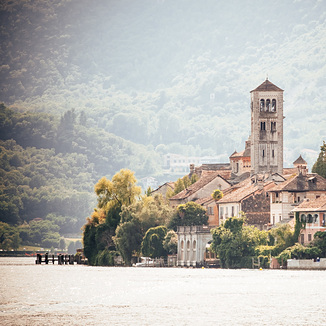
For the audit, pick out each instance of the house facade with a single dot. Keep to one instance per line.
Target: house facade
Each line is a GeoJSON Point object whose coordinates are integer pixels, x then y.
{"type": "Point", "coordinates": [285, 196]}
{"type": "Point", "coordinates": [313, 214]}
{"type": "Point", "coordinates": [204, 187]}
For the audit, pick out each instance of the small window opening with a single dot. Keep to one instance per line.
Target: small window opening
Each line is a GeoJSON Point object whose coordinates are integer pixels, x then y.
{"type": "Point", "coordinates": [262, 125]}
{"type": "Point", "coordinates": [268, 105]}
{"type": "Point", "coordinates": [273, 154]}
{"type": "Point", "coordinates": [262, 104]}
{"type": "Point", "coordinates": [273, 105]}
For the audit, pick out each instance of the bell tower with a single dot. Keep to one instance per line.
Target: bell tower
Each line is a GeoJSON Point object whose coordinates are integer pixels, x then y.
{"type": "Point", "coordinates": [267, 129]}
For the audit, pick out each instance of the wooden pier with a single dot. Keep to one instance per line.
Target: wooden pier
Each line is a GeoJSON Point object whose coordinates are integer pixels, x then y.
{"type": "Point", "coordinates": [60, 258]}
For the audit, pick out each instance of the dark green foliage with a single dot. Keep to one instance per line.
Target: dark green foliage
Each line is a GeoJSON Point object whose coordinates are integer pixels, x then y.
{"type": "Point", "coordinates": [170, 243]}
{"type": "Point", "coordinates": [152, 245]}
{"type": "Point", "coordinates": [320, 242]}
{"type": "Point", "coordinates": [298, 251]}
{"type": "Point", "coordinates": [320, 165]}
{"type": "Point", "coordinates": [105, 258]}
{"type": "Point", "coordinates": [128, 239]}
{"type": "Point", "coordinates": [188, 214]}
{"type": "Point", "coordinates": [235, 243]}
{"type": "Point", "coordinates": [9, 237]}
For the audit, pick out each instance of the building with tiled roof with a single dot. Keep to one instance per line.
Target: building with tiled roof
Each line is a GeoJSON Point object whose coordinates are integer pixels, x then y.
{"type": "Point", "coordinates": [284, 197]}
{"type": "Point", "coordinates": [164, 189]}
{"type": "Point", "coordinates": [251, 199]}
{"type": "Point", "coordinates": [266, 129]}
{"type": "Point", "coordinates": [209, 204]}
{"type": "Point", "coordinates": [204, 187]}
{"type": "Point", "coordinates": [313, 214]}
{"type": "Point", "coordinates": [240, 162]}
{"type": "Point", "coordinates": [267, 86]}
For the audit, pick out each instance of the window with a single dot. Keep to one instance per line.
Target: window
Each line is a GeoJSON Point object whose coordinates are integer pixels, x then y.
{"type": "Point", "coordinates": [315, 218]}
{"type": "Point", "coordinates": [268, 104]}
{"type": "Point", "coordinates": [302, 238]}
{"type": "Point", "coordinates": [221, 212]}
{"type": "Point", "coordinates": [263, 153]}
{"type": "Point", "coordinates": [309, 237]}
{"type": "Point", "coordinates": [273, 154]}
{"type": "Point", "coordinates": [262, 104]}
{"type": "Point", "coordinates": [309, 217]}
{"type": "Point", "coordinates": [273, 126]}
{"type": "Point", "coordinates": [273, 105]}
{"type": "Point", "coordinates": [210, 210]}
{"type": "Point", "coordinates": [303, 217]}
{"type": "Point", "coordinates": [226, 212]}
{"type": "Point", "coordinates": [232, 211]}
{"type": "Point", "coordinates": [262, 125]}
{"type": "Point", "coordinates": [324, 219]}
{"type": "Point", "coordinates": [194, 245]}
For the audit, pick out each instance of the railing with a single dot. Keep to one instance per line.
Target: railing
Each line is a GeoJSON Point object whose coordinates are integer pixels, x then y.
{"type": "Point", "coordinates": [195, 228]}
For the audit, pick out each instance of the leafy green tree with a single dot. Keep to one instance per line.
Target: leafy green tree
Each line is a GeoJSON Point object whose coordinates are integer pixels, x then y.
{"type": "Point", "coordinates": [320, 165]}
{"type": "Point", "coordinates": [152, 245]}
{"type": "Point", "coordinates": [178, 187]}
{"type": "Point", "coordinates": [235, 243]}
{"type": "Point", "coordinates": [9, 237]}
{"type": "Point", "coordinates": [188, 214]}
{"type": "Point", "coordinates": [194, 178]}
{"type": "Point", "coordinates": [170, 243]}
{"type": "Point", "coordinates": [128, 239]}
{"type": "Point", "coordinates": [217, 194]}
{"type": "Point", "coordinates": [320, 242]}
{"type": "Point", "coordinates": [112, 196]}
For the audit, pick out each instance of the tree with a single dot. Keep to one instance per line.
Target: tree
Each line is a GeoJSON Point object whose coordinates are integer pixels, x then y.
{"type": "Point", "coordinates": [235, 243]}
{"type": "Point", "coordinates": [152, 245]}
{"type": "Point", "coordinates": [217, 194]}
{"type": "Point", "coordinates": [112, 197]}
{"type": "Point", "coordinates": [128, 239]}
{"type": "Point", "coordinates": [9, 237]}
{"type": "Point", "coordinates": [320, 165]}
{"type": "Point", "coordinates": [178, 187]}
{"type": "Point", "coordinates": [188, 214]}
{"type": "Point", "coordinates": [170, 243]}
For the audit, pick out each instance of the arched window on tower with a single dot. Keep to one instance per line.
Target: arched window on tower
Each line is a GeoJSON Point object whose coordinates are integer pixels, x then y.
{"type": "Point", "coordinates": [262, 104]}
{"type": "Point", "coordinates": [273, 105]}
{"type": "Point", "coordinates": [268, 105]}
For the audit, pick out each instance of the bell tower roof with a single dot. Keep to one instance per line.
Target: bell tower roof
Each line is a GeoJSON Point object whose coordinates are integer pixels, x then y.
{"type": "Point", "coordinates": [267, 86]}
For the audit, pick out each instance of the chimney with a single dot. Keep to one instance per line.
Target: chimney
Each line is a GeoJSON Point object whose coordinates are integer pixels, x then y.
{"type": "Point", "coordinates": [192, 169]}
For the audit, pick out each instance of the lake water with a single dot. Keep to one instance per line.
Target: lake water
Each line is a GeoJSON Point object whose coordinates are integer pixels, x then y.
{"type": "Point", "coordinates": [82, 295]}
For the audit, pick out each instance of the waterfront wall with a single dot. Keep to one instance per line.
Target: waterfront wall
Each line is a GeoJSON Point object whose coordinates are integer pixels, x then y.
{"type": "Point", "coordinates": [307, 264]}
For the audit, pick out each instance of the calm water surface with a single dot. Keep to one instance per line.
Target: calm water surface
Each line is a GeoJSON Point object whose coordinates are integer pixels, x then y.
{"type": "Point", "coordinates": [81, 295]}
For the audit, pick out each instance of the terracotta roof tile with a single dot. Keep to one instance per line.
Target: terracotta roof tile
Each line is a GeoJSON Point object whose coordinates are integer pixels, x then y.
{"type": "Point", "coordinates": [311, 181]}
{"type": "Point", "coordinates": [300, 160]}
{"type": "Point", "coordinates": [319, 204]}
{"type": "Point", "coordinates": [267, 86]}
{"type": "Point", "coordinates": [206, 177]}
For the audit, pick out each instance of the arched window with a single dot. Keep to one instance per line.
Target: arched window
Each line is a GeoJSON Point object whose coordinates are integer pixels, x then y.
{"type": "Point", "coordinates": [182, 244]}
{"type": "Point", "coordinates": [303, 218]}
{"type": "Point", "coordinates": [194, 245]}
{"type": "Point", "coordinates": [309, 217]}
{"type": "Point", "coordinates": [188, 245]}
{"type": "Point", "coordinates": [262, 104]}
{"type": "Point", "coordinates": [268, 105]}
{"type": "Point", "coordinates": [273, 105]}
{"type": "Point", "coordinates": [315, 218]}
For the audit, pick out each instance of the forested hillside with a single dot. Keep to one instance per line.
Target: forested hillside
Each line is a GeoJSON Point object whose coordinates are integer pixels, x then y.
{"type": "Point", "coordinates": [49, 166]}
{"type": "Point", "coordinates": [90, 87]}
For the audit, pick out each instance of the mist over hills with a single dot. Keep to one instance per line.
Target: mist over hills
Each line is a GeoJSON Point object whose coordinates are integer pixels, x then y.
{"type": "Point", "coordinates": [173, 76]}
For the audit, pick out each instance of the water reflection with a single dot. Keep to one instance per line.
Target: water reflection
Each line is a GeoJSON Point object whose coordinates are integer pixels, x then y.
{"type": "Point", "coordinates": [82, 295]}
